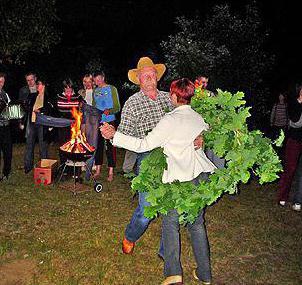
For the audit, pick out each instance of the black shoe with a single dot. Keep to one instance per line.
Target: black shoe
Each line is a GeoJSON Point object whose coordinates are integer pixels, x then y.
{"type": "Point", "coordinates": [26, 171]}
{"type": "Point", "coordinates": [160, 256]}
{"type": "Point", "coordinates": [4, 178]}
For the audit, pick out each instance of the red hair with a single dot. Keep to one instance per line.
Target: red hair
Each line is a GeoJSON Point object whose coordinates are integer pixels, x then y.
{"type": "Point", "coordinates": [183, 89]}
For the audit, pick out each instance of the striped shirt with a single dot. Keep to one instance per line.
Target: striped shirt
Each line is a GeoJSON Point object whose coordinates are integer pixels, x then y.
{"type": "Point", "coordinates": [279, 115]}
{"type": "Point", "coordinates": [141, 114]}
{"type": "Point", "coordinates": [65, 104]}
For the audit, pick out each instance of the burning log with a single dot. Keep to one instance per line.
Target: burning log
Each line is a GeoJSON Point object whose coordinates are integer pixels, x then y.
{"type": "Point", "coordinates": [78, 142]}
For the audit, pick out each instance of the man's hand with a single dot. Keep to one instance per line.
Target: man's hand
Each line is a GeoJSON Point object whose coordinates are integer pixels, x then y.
{"type": "Point", "coordinates": [107, 131]}
{"type": "Point", "coordinates": [198, 142]}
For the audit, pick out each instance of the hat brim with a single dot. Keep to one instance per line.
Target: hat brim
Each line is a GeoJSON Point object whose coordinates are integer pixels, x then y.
{"type": "Point", "coordinates": [133, 73]}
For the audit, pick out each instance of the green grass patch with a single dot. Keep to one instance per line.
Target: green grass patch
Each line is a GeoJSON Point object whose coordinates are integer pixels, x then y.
{"type": "Point", "coordinates": [76, 239]}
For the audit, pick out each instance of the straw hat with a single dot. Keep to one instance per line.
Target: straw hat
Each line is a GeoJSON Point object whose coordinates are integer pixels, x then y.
{"type": "Point", "coordinates": [146, 62]}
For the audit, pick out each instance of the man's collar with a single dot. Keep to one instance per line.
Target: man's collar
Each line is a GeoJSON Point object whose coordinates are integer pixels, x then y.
{"type": "Point", "coordinates": [157, 94]}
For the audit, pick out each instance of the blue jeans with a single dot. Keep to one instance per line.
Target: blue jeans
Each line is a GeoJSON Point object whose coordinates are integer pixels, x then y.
{"type": "Point", "coordinates": [91, 121]}
{"type": "Point", "coordinates": [34, 131]}
{"type": "Point", "coordinates": [199, 241]}
{"type": "Point", "coordinates": [138, 223]}
{"type": "Point", "coordinates": [49, 121]}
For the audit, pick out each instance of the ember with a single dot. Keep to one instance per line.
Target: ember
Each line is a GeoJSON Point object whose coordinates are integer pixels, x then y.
{"type": "Point", "coordinates": [78, 142]}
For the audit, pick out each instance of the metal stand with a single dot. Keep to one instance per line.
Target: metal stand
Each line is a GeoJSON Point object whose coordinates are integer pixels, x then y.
{"type": "Point", "coordinates": [97, 186]}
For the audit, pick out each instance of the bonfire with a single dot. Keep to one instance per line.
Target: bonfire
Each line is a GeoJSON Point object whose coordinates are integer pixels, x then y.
{"type": "Point", "coordinates": [78, 142]}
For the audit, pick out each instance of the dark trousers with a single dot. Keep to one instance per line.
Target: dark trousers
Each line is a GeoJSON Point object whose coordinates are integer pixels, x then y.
{"type": "Point", "coordinates": [109, 149]}
{"type": "Point", "coordinates": [64, 135]}
{"type": "Point", "coordinates": [6, 149]}
{"type": "Point", "coordinates": [34, 132]}
{"type": "Point", "coordinates": [293, 151]}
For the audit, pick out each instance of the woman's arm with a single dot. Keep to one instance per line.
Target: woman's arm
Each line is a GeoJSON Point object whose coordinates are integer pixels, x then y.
{"type": "Point", "coordinates": [156, 138]}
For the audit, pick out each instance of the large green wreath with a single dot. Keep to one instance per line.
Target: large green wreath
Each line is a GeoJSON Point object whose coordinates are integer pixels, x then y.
{"type": "Point", "coordinates": [244, 151]}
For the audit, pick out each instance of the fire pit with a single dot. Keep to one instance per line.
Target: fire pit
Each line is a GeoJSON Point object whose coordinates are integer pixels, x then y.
{"type": "Point", "coordinates": [77, 150]}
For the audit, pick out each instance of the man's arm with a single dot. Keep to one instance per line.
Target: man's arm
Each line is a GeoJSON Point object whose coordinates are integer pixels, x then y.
{"type": "Point", "coordinates": [116, 102]}
{"type": "Point", "coordinates": [128, 121]}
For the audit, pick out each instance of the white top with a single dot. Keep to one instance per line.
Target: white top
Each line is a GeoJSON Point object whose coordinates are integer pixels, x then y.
{"type": "Point", "coordinates": [175, 133]}
{"type": "Point", "coordinates": [88, 97]}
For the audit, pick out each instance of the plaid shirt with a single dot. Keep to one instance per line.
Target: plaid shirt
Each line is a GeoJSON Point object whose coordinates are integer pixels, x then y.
{"type": "Point", "coordinates": [141, 114]}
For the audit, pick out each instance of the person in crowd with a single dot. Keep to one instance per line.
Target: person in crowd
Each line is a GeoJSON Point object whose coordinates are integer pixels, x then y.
{"type": "Point", "coordinates": [129, 163]}
{"type": "Point", "coordinates": [184, 163]}
{"type": "Point", "coordinates": [293, 147]}
{"type": "Point", "coordinates": [91, 115]}
{"type": "Point", "coordinates": [204, 81]}
{"type": "Point", "coordinates": [32, 99]}
{"type": "Point", "coordinates": [140, 114]}
{"type": "Point", "coordinates": [6, 146]}
{"type": "Point", "coordinates": [66, 101]}
{"type": "Point", "coordinates": [106, 100]}
{"type": "Point", "coordinates": [297, 187]}
{"type": "Point", "coordinates": [279, 116]}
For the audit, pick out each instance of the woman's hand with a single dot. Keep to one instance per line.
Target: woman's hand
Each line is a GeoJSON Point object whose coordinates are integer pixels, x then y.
{"type": "Point", "coordinates": [198, 142]}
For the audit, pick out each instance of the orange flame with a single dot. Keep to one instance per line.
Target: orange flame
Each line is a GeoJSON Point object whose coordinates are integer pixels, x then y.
{"type": "Point", "coordinates": [76, 126]}
{"type": "Point", "coordinates": [78, 142]}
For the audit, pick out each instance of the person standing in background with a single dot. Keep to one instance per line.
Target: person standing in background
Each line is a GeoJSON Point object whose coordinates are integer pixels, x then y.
{"type": "Point", "coordinates": [6, 146]}
{"type": "Point", "coordinates": [66, 101]}
{"type": "Point", "coordinates": [279, 116]}
{"type": "Point", "coordinates": [293, 147]}
{"type": "Point", "coordinates": [106, 100]}
{"type": "Point", "coordinates": [90, 121]}
{"type": "Point", "coordinates": [129, 163]}
{"type": "Point", "coordinates": [28, 96]}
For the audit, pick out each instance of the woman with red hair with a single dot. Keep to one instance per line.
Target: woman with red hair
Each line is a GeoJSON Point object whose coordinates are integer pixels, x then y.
{"type": "Point", "coordinates": [176, 133]}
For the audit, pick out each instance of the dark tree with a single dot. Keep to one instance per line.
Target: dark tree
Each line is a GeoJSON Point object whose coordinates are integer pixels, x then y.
{"type": "Point", "coordinates": [27, 26]}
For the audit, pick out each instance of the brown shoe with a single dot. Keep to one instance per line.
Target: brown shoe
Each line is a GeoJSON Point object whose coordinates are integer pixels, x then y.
{"type": "Point", "coordinates": [127, 246]}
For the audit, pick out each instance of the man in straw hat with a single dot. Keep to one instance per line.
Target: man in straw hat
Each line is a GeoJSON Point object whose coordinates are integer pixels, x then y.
{"type": "Point", "coordinates": [140, 114]}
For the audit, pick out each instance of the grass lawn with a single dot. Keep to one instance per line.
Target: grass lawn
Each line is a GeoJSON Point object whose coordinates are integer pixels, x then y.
{"type": "Point", "coordinates": [50, 236]}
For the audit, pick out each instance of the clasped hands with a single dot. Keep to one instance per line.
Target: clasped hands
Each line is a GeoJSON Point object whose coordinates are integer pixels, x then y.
{"type": "Point", "coordinates": [107, 131]}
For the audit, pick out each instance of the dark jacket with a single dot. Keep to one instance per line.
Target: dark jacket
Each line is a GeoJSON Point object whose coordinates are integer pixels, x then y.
{"type": "Point", "coordinates": [27, 101]}
{"type": "Point", "coordinates": [3, 104]}
{"type": "Point", "coordinates": [294, 113]}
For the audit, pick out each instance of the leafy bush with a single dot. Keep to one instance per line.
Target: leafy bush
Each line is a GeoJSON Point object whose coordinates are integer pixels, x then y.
{"type": "Point", "coordinates": [245, 152]}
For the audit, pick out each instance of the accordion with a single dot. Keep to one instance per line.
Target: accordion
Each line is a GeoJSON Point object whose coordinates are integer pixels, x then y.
{"type": "Point", "coordinates": [12, 112]}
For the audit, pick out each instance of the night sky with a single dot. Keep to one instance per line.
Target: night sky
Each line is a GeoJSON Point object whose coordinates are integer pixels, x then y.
{"type": "Point", "coordinates": [119, 32]}
{"type": "Point", "coordinates": [124, 30]}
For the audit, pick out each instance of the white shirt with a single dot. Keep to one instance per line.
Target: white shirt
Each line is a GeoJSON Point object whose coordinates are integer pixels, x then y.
{"type": "Point", "coordinates": [88, 97]}
{"type": "Point", "coordinates": [175, 133]}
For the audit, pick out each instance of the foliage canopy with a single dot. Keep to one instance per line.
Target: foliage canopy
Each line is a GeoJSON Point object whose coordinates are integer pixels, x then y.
{"type": "Point", "coordinates": [27, 26]}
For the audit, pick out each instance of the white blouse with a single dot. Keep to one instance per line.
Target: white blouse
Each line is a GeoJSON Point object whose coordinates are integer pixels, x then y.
{"type": "Point", "coordinates": [175, 133]}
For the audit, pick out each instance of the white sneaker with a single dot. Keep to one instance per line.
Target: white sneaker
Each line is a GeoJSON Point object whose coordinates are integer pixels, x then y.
{"type": "Point", "coordinates": [282, 203]}
{"type": "Point", "coordinates": [297, 207]}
